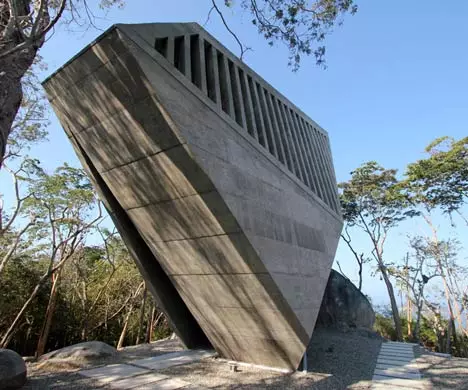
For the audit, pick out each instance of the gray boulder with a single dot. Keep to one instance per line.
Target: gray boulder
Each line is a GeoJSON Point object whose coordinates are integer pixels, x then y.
{"type": "Point", "coordinates": [344, 306]}
{"type": "Point", "coordinates": [88, 350]}
{"type": "Point", "coordinates": [13, 373]}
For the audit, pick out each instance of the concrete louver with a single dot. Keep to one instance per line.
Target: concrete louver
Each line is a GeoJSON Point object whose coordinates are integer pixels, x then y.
{"type": "Point", "coordinates": [222, 189]}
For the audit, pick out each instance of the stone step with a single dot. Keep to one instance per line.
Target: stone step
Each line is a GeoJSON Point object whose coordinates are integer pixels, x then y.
{"type": "Point", "coordinates": [173, 359]}
{"type": "Point", "coordinates": [408, 368]}
{"type": "Point", "coordinates": [406, 383]}
{"type": "Point", "coordinates": [397, 374]}
{"type": "Point", "coordinates": [137, 381]}
{"type": "Point", "coordinates": [113, 372]}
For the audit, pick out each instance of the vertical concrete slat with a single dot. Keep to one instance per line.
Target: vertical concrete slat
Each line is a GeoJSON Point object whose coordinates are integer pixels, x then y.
{"type": "Point", "coordinates": [331, 172]}
{"type": "Point", "coordinates": [331, 185]}
{"type": "Point", "coordinates": [300, 148]}
{"type": "Point", "coordinates": [292, 147]}
{"type": "Point", "coordinates": [250, 113]}
{"type": "Point", "coordinates": [316, 155]}
{"type": "Point", "coordinates": [304, 151]}
{"type": "Point", "coordinates": [283, 133]}
{"type": "Point", "coordinates": [329, 154]}
{"type": "Point", "coordinates": [187, 57]}
{"type": "Point", "coordinates": [310, 157]}
{"type": "Point", "coordinates": [315, 162]}
{"type": "Point", "coordinates": [258, 115]}
{"type": "Point", "coordinates": [217, 88]}
{"type": "Point", "coordinates": [323, 168]}
{"type": "Point", "coordinates": [170, 49]}
{"type": "Point", "coordinates": [238, 98]}
{"type": "Point", "coordinates": [267, 121]}
{"type": "Point", "coordinates": [229, 87]}
{"type": "Point", "coordinates": [293, 130]}
{"type": "Point", "coordinates": [276, 129]}
{"type": "Point", "coordinates": [201, 49]}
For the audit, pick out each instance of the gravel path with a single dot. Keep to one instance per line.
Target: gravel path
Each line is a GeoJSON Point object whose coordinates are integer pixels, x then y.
{"type": "Point", "coordinates": [444, 373]}
{"type": "Point", "coordinates": [336, 361]}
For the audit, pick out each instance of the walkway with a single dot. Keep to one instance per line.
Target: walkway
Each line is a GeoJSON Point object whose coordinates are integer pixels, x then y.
{"type": "Point", "coordinates": [140, 374]}
{"type": "Point", "coordinates": [397, 369]}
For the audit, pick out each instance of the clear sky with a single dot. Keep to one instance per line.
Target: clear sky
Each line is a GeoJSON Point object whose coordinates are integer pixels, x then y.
{"type": "Point", "coordinates": [397, 78]}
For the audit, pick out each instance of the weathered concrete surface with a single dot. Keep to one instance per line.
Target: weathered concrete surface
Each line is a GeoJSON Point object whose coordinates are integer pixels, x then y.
{"type": "Point", "coordinates": [222, 189]}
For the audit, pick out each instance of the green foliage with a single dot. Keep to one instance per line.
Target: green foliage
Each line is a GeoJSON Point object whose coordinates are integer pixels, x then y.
{"type": "Point", "coordinates": [94, 286]}
{"type": "Point", "coordinates": [441, 179]}
{"type": "Point", "coordinates": [30, 124]}
{"type": "Point", "coordinates": [384, 326]}
{"type": "Point", "coordinates": [19, 278]}
{"type": "Point", "coordinates": [372, 198]}
{"type": "Point", "coordinates": [300, 25]}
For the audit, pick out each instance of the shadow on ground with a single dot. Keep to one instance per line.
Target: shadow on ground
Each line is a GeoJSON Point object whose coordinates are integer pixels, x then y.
{"type": "Point", "coordinates": [444, 373]}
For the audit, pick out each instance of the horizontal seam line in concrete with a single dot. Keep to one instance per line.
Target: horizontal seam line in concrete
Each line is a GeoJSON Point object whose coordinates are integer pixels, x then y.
{"type": "Point", "coordinates": [244, 133]}
{"type": "Point", "coordinates": [243, 273]}
{"type": "Point", "coordinates": [142, 158]}
{"type": "Point", "coordinates": [207, 236]}
{"type": "Point", "coordinates": [221, 274]}
{"type": "Point", "coordinates": [317, 198]}
{"type": "Point", "coordinates": [172, 200]}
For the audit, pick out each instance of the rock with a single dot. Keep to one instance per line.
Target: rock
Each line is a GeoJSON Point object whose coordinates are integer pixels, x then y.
{"type": "Point", "coordinates": [88, 350]}
{"type": "Point", "coordinates": [13, 373]}
{"type": "Point", "coordinates": [344, 306]}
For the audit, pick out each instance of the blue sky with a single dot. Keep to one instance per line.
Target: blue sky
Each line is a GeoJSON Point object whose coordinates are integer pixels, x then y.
{"type": "Point", "coordinates": [397, 78]}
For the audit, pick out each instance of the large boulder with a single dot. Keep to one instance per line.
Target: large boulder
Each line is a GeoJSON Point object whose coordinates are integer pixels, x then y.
{"type": "Point", "coordinates": [12, 370]}
{"type": "Point", "coordinates": [344, 306]}
{"type": "Point", "coordinates": [88, 350]}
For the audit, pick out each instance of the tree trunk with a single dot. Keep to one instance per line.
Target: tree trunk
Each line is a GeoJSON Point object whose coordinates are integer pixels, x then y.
{"type": "Point", "coordinates": [44, 336]}
{"type": "Point", "coordinates": [393, 303]}
{"type": "Point", "coordinates": [448, 344]}
{"type": "Point", "coordinates": [142, 316]}
{"type": "Point", "coordinates": [418, 323]}
{"type": "Point", "coordinates": [124, 329]}
{"type": "Point", "coordinates": [127, 317]}
{"type": "Point", "coordinates": [409, 319]}
{"type": "Point", "coordinates": [149, 328]}
{"type": "Point", "coordinates": [12, 69]}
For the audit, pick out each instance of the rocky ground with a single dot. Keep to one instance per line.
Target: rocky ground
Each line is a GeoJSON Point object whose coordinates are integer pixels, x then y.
{"type": "Point", "coordinates": [336, 359]}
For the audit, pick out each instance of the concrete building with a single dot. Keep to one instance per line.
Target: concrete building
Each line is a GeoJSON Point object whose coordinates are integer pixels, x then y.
{"type": "Point", "coordinates": [222, 189]}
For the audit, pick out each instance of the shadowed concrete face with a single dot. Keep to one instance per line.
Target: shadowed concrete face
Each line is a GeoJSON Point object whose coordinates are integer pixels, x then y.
{"type": "Point", "coordinates": [222, 189]}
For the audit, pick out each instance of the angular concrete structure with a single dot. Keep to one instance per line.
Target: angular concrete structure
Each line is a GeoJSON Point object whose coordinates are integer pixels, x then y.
{"type": "Point", "coordinates": [222, 189]}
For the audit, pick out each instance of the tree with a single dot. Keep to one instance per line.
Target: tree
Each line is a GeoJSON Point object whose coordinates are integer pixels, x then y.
{"type": "Point", "coordinates": [64, 204]}
{"type": "Point", "coordinates": [440, 182]}
{"type": "Point", "coordinates": [373, 202]}
{"type": "Point", "coordinates": [414, 277]}
{"type": "Point", "coordinates": [441, 179]}
{"type": "Point", "coordinates": [359, 257]}
{"type": "Point", "coordinates": [29, 128]}
{"type": "Point", "coordinates": [24, 24]}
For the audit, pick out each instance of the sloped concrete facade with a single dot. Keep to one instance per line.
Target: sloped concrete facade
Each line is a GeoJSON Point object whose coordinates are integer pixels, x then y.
{"type": "Point", "coordinates": [222, 189]}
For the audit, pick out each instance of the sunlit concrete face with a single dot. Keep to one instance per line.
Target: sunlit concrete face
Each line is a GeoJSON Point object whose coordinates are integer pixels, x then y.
{"type": "Point", "coordinates": [222, 189]}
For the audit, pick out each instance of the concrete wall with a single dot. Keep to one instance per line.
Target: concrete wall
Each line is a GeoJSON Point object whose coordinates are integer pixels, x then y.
{"type": "Point", "coordinates": [232, 192]}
